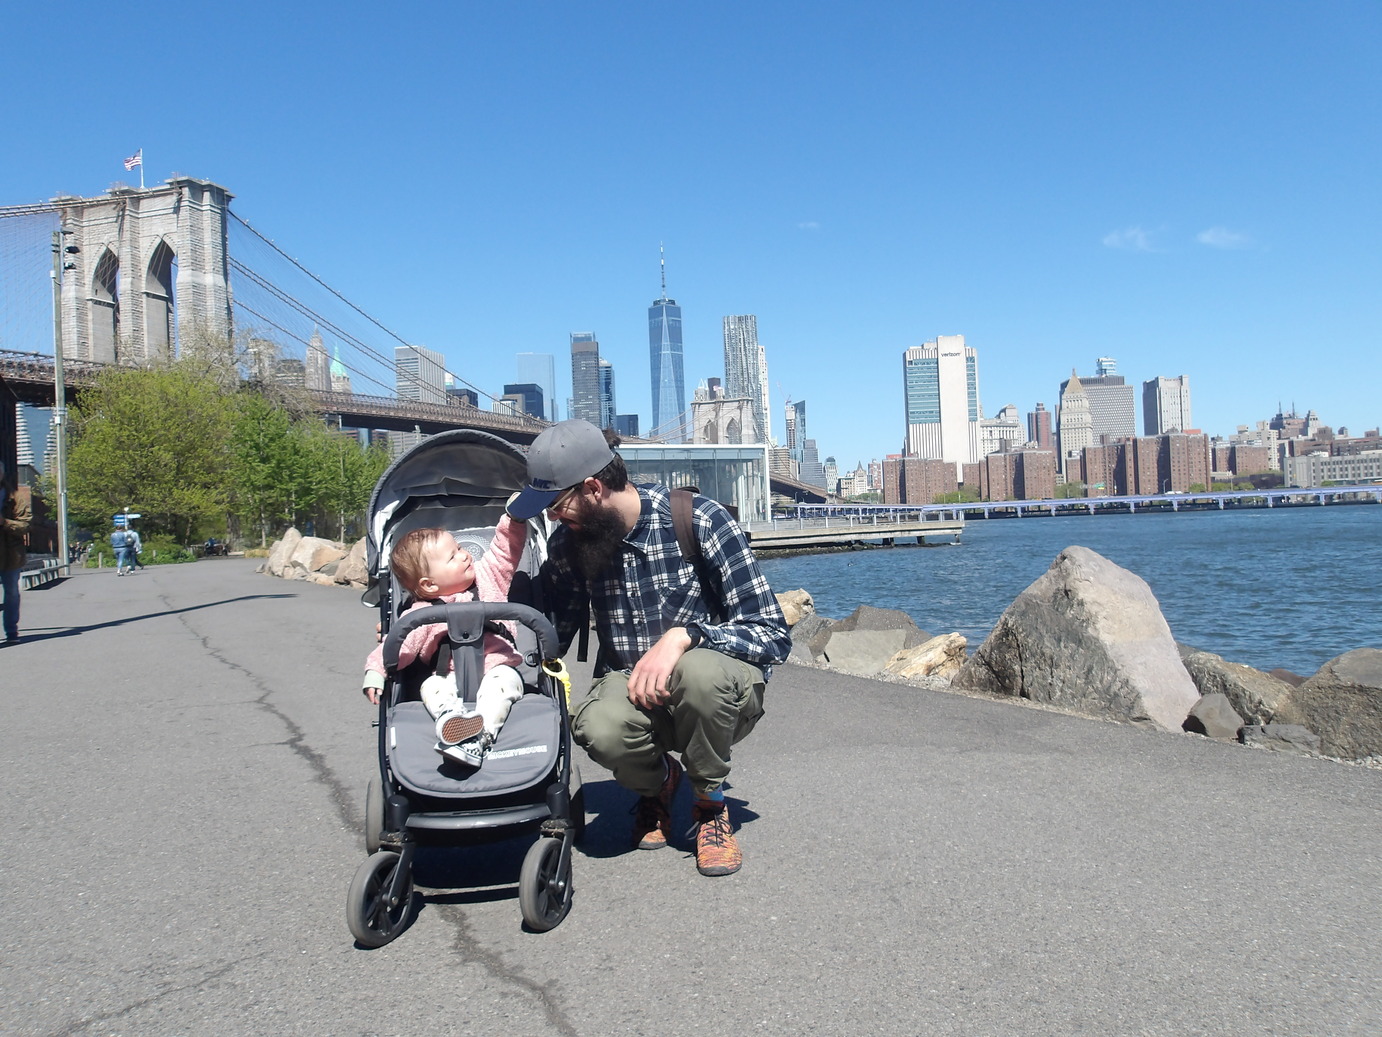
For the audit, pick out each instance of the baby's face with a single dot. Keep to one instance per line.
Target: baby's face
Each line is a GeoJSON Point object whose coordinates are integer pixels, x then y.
{"type": "Point", "coordinates": [450, 566]}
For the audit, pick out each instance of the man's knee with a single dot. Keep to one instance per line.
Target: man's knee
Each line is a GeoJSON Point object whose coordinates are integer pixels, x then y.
{"type": "Point", "coordinates": [709, 680]}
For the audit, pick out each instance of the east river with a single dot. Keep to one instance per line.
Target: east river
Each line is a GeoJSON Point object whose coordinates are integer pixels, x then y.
{"type": "Point", "coordinates": [1268, 587]}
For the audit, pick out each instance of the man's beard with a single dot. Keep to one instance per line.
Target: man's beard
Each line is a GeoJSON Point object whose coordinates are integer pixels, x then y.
{"type": "Point", "coordinates": [597, 543]}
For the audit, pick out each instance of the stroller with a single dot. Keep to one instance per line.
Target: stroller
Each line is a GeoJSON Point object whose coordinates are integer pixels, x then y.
{"type": "Point", "coordinates": [459, 480]}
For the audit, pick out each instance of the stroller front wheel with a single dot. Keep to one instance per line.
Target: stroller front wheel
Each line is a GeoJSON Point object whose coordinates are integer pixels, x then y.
{"type": "Point", "coordinates": [374, 916]}
{"type": "Point", "coordinates": [544, 885]}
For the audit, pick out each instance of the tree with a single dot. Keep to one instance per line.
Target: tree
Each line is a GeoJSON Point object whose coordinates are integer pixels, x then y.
{"type": "Point", "coordinates": [155, 440]}
{"type": "Point", "coordinates": [263, 452]}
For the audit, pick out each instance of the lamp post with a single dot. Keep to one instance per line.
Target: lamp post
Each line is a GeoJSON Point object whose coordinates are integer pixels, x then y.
{"type": "Point", "coordinates": [60, 400]}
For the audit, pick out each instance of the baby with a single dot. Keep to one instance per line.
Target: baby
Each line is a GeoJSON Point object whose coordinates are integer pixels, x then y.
{"type": "Point", "coordinates": [433, 567]}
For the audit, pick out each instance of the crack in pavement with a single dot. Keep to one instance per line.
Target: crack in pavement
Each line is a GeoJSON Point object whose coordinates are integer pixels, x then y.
{"type": "Point", "coordinates": [84, 1025]}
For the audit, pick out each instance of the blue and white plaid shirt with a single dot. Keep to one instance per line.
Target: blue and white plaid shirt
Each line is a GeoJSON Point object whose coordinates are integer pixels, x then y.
{"type": "Point", "coordinates": [651, 588]}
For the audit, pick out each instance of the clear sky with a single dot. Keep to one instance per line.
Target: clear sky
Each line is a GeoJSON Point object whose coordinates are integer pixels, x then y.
{"type": "Point", "coordinates": [1189, 187]}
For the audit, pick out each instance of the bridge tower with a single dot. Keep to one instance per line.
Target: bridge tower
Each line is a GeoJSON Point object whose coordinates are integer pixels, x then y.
{"type": "Point", "coordinates": [144, 267]}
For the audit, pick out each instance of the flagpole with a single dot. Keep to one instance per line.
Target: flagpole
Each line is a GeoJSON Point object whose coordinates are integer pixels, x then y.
{"type": "Point", "coordinates": [141, 169]}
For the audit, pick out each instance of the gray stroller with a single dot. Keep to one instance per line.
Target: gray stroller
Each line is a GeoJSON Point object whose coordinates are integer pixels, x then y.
{"type": "Point", "coordinates": [459, 480]}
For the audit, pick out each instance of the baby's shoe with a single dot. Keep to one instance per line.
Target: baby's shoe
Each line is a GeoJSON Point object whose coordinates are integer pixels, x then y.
{"type": "Point", "coordinates": [458, 726]}
{"type": "Point", "coordinates": [471, 752]}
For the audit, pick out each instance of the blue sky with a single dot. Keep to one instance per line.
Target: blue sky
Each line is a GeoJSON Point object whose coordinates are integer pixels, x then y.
{"type": "Point", "coordinates": [1191, 188]}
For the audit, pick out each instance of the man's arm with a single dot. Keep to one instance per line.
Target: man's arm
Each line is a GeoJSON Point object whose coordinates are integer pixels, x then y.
{"type": "Point", "coordinates": [753, 627]}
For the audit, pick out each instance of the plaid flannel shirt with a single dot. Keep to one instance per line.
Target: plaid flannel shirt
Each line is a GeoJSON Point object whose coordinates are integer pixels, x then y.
{"type": "Point", "coordinates": [652, 588]}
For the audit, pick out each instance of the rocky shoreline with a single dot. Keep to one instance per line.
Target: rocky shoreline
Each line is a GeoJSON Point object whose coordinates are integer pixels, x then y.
{"type": "Point", "coordinates": [1086, 638]}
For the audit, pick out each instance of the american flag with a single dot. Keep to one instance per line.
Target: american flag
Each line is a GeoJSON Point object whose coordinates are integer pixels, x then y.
{"type": "Point", "coordinates": [137, 159]}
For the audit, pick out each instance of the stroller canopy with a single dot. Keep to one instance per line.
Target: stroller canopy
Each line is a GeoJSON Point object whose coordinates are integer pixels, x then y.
{"type": "Point", "coordinates": [452, 480]}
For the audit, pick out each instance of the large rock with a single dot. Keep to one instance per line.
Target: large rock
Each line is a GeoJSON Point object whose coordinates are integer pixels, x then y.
{"type": "Point", "coordinates": [1342, 703]}
{"type": "Point", "coordinates": [352, 569]}
{"type": "Point", "coordinates": [863, 652]}
{"type": "Point", "coordinates": [281, 551]}
{"type": "Point", "coordinates": [1282, 738]}
{"type": "Point", "coordinates": [796, 605]}
{"type": "Point", "coordinates": [867, 617]}
{"type": "Point", "coordinates": [1254, 695]}
{"type": "Point", "coordinates": [809, 637]}
{"type": "Point", "coordinates": [1087, 636]}
{"type": "Point", "coordinates": [313, 554]}
{"type": "Point", "coordinates": [1214, 716]}
{"type": "Point", "coordinates": [942, 656]}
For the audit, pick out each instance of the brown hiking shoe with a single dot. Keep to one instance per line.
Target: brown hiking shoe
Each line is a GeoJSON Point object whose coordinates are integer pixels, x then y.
{"type": "Point", "coordinates": [652, 815]}
{"type": "Point", "coordinates": [717, 851]}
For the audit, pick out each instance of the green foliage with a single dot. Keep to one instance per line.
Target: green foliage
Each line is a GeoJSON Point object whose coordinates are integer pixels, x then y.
{"type": "Point", "coordinates": [1068, 490]}
{"type": "Point", "coordinates": [962, 496]}
{"type": "Point", "coordinates": [153, 440]}
{"type": "Point", "coordinates": [195, 453]}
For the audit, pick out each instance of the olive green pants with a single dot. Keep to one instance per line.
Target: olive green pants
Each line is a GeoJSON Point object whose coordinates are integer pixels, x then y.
{"type": "Point", "coordinates": [716, 700]}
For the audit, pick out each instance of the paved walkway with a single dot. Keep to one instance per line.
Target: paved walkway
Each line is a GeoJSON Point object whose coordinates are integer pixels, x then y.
{"type": "Point", "coordinates": [185, 751]}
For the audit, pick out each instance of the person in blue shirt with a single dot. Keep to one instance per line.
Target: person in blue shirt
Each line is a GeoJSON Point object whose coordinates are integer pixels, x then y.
{"type": "Point", "coordinates": [683, 666]}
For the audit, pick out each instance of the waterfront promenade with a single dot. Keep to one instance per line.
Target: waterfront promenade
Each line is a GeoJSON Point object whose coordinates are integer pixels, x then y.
{"type": "Point", "coordinates": [186, 751]}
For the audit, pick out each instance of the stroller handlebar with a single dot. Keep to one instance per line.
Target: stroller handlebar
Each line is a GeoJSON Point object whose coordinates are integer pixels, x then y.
{"type": "Point", "coordinates": [465, 622]}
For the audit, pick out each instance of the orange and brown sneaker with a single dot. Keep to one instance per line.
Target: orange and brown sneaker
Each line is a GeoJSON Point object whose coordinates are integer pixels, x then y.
{"type": "Point", "coordinates": [652, 815]}
{"type": "Point", "coordinates": [717, 851]}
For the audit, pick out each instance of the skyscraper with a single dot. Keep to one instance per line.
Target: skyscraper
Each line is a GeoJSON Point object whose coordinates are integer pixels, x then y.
{"type": "Point", "coordinates": [941, 386]}
{"type": "Point", "coordinates": [1112, 404]}
{"type": "Point", "coordinates": [795, 416]}
{"type": "Point", "coordinates": [1039, 428]}
{"type": "Point", "coordinates": [540, 369]}
{"type": "Point", "coordinates": [1166, 405]}
{"type": "Point", "coordinates": [665, 366]}
{"type": "Point", "coordinates": [606, 372]}
{"type": "Point", "coordinates": [421, 374]}
{"type": "Point", "coordinates": [1075, 425]}
{"type": "Point", "coordinates": [340, 377]}
{"type": "Point", "coordinates": [318, 367]}
{"type": "Point", "coordinates": [585, 377]}
{"type": "Point", "coordinates": [743, 362]}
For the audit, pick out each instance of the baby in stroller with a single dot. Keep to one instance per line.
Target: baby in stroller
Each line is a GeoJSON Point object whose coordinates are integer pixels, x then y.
{"type": "Point", "coordinates": [432, 567]}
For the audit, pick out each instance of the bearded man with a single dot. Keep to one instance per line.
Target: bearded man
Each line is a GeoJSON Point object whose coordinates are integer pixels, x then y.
{"type": "Point", "coordinates": [683, 662]}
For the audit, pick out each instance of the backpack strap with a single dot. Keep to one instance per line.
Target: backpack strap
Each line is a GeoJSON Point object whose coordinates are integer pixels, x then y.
{"type": "Point", "coordinates": [682, 508]}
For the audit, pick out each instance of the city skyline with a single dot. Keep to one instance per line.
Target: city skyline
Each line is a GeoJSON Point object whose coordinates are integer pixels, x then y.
{"type": "Point", "coordinates": [1056, 183]}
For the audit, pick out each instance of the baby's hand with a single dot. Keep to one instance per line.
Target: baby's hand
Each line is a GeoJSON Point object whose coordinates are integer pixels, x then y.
{"type": "Point", "coordinates": [372, 694]}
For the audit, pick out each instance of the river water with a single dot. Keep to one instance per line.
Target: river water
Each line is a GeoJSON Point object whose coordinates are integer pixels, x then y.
{"type": "Point", "coordinates": [1268, 587]}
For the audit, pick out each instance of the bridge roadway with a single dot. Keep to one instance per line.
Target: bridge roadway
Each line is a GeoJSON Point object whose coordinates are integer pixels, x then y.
{"type": "Point", "coordinates": [186, 750]}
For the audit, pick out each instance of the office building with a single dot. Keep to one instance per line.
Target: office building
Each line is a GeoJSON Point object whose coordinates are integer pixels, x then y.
{"type": "Point", "coordinates": [1166, 405]}
{"type": "Point", "coordinates": [421, 374]}
{"type": "Point", "coordinates": [941, 386]}
{"type": "Point", "coordinates": [1001, 433]}
{"type": "Point", "coordinates": [1074, 425]}
{"type": "Point", "coordinates": [795, 418]}
{"type": "Point", "coordinates": [665, 365]}
{"type": "Point", "coordinates": [585, 377]}
{"type": "Point", "coordinates": [340, 378]}
{"type": "Point", "coordinates": [529, 396]}
{"type": "Point", "coordinates": [317, 372]}
{"type": "Point", "coordinates": [540, 369]}
{"type": "Point", "coordinates": [1039, 428]}
{"type": "Point", "coordinates": [606, 375]}
{"type": "Point", "coordinates": [744, 363]}
{"type": "Point", "coordinates": [1112, 404]}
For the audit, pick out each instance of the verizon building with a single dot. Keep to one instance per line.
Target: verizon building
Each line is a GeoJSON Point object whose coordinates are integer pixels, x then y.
{"type": "Point", "coordinates": [941, 380]}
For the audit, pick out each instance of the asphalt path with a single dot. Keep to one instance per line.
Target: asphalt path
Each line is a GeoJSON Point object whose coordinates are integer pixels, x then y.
{"type": "Point", "coordinates": [185, 752]}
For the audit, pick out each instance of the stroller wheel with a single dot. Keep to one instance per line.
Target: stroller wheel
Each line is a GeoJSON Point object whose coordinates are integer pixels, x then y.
{"type": "Point", "coordinates": [544, 886]}
{"type": "Point", "coordinates": [375, 918]}
{"type": "Point", "coordinates": [374, 814]}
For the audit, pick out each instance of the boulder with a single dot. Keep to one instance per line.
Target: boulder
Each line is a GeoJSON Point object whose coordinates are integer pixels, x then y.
{"type": "Point", "coordinates": [942, 656]}
{"type": "Point", "coordinates": [867, 617]}
{"type": "Point", "coordinates": [809, 636]}
{"type": "Point", "coordinates": [1087, 636]}
{"type": "Point", "coordinates": [312, 554]}
{"type": "Point", "coordinates": [1292, 678]}
{"type": "Point", "coordinates": [863, 652]}
{"type": "Point", "coordinates": [1255, 696]}
{"type": "Point", "coordinates": [1214, 716]}
{"type": "Point", "coordinates": [352, 569]}
{"type": "Point", "coordinates": [1342, 703]}
{"type": "Point", "coordinates": [1282, 738]}
{"type": "Point", "coordinates": [796, 605]}
{"type": "Point", "coordinates": [280, 551]}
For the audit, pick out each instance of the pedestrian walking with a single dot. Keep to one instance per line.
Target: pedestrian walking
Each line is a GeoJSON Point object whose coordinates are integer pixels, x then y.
{"type": "Point", "coordinates": [14, 525]}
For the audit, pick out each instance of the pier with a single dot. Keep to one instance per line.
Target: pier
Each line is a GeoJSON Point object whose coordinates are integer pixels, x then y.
{"type": "Point", "coordinates": [814, 527]}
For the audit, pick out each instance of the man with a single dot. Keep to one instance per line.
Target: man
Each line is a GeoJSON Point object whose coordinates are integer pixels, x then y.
{"type": "Point", "coordinates": [682, 667]}
{"type": "Point", "coordinates": [14, 524]}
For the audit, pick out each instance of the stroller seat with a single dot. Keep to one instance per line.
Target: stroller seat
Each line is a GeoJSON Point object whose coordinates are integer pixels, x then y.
{"type": "Point", "coordinates": [522, 756]}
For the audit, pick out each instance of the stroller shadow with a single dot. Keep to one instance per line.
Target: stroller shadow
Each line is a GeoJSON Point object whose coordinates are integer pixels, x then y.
{"type": "Point", "coordinates": [609, 815]}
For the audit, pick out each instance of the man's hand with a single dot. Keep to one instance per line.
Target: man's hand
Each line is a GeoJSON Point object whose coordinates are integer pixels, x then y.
{"type": "Point", "coordinates": [648, 682]}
